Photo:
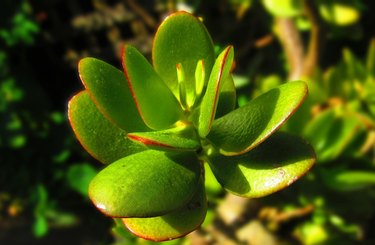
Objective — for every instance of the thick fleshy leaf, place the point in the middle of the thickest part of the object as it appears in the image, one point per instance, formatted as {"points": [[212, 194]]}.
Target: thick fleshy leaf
{"points": [[272, 166], [244, 128], [109, 90], [173, 225], [147, 184], [219, 73], [182, 138], [157, 105], [102, 139], [227, 98], [181, 38]]}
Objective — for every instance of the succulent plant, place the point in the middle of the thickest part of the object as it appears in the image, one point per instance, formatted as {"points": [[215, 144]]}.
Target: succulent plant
{"points": [[156, 126]]}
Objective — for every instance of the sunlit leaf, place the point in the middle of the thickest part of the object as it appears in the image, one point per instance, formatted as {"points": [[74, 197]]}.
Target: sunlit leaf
{"points": [[246, 127], [273, 165], [146, 184], [181, 138], [102, 139], [219, 73], [157, 105], [330, 134], [285, 8], [348, 180], [109, 90], [173, 225], [338, 13], [181, 38]]}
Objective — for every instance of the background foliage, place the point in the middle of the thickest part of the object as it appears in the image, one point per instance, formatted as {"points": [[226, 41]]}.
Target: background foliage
{"points": [[45, 172]]}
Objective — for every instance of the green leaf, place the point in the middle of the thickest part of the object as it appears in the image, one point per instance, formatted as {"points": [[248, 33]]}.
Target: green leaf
{"points": [[146, 184], [348, 180], [286, 8], [181, 138], [219, 73], [244, 128], [109, 90], [172, 225], [102, 139], [157, 105], [370, 61], [272, 166], [227, 98], [181, 38], [330, 134], [79, 177]]}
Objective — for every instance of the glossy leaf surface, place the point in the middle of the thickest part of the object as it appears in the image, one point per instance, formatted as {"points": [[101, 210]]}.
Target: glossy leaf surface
{"points": [[176, 139], [272, 166], [157, 105], [173, 225], [146, 184], [109, 90], [102, 139], [181, 38], [244, 128], [219, 73]]}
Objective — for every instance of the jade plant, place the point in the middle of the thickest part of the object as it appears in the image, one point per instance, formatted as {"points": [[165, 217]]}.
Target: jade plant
{"points": [[155, 126]]}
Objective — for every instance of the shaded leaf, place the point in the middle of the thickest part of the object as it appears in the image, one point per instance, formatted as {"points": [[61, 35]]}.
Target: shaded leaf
{"points": [[102, 139], [172, 225], [219, 73], [272, 166], [244, 128], [146, 184], [227, 98], [181, 38], [181, 138], [157, 105], [109, 90]]}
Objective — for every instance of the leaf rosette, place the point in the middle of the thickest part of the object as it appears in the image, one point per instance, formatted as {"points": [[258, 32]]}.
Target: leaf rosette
{"points": [[155, 126]]}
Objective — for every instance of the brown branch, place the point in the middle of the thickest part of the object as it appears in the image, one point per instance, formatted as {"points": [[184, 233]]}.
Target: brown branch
{"points": [[317, 38], [291, 42]]}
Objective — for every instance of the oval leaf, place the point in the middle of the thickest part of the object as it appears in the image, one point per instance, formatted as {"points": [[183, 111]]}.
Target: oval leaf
{"points": [[181, 38], [172, 225], [219, 72], [272, 166], [146, 184], [181, 138], [157, 105], [109, 90], [102, 139], [244, 128]]}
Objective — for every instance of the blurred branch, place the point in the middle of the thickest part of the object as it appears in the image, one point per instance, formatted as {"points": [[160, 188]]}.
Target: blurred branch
{"points": [[317, 38], [148, 19], [291, 42], [302, 63]]}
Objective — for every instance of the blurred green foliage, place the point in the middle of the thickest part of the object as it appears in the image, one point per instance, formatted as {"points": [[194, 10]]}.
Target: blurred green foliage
{"points": [[44, 172]]}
